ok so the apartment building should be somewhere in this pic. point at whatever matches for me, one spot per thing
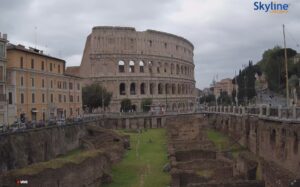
(3, 62)
(38, 87)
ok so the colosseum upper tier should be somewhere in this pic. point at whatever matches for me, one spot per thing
(138, 65)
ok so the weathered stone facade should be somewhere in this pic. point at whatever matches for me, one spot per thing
(137, 65)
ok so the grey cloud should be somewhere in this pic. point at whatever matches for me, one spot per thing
(227, 36)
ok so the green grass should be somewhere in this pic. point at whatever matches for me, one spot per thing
(142, 165)
(223, 142)
(205, 173)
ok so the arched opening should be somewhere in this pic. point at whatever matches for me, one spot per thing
(121, 65)
(151, 88)
(131, 66)
(172, 68)
(160, 88)
(166, 68)
(141, 66)
(177, 69)
(133, 108)
(132, 89)
(173, 89)
(158, 67)
(178, 89)
(150, 65)
(122, 89)
(167, 89)
(142, 88)
(174, 107)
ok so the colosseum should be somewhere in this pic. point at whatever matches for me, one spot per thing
(137, 65)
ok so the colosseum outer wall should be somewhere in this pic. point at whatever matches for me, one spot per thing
(137, 65)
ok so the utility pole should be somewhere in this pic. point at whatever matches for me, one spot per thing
(286, 69)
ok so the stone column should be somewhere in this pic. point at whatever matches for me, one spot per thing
(268, 111)
(260, 110)
(279, 112)
(294, 112)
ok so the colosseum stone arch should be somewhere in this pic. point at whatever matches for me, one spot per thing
(137, 65)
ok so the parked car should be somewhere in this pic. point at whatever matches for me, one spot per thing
(51, 122)
(14, 127)
(78, 119)
(61, 122)
(40, 123)
(3, 128)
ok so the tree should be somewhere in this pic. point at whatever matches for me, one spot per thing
(126, 105)
(208, 99)
(224, 98)
(94, 96)
(145, 104)
(274, 67)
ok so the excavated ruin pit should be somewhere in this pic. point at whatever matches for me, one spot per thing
(195, 161)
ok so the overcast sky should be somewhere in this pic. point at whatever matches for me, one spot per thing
(226, 34)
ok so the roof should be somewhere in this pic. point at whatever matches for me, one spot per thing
(73, 70)
(32, 51)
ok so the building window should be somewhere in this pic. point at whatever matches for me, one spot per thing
(151, 88)
(58, 68)
(51, 98)
(59, 98)
(70, 86)
(71, 98)
(141, 66)
(122, 89)
(21, 63)
(166, 45)
(142, 88)
(78, 86)
(33, 98)
(78, 98)
(10, 99)
(131, 66)
(22, 81)
(50, 66)
(160, 88)
(132, 89)
(22, 98)
(121, 65)
(32, 63)
(2, 51)
(150, 64)
(43, 66)
(150, 43)
(43, 83)
(1, 73)
(32, 82)
(43, 98)
(65, 98)
(51, 84)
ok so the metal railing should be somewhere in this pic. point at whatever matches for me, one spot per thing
(263, 111)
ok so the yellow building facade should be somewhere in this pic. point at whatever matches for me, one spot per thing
(38, 87)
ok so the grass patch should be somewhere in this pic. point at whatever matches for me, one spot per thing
(205, 173)
(143, 164)
(76, 156)
(224, 143)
